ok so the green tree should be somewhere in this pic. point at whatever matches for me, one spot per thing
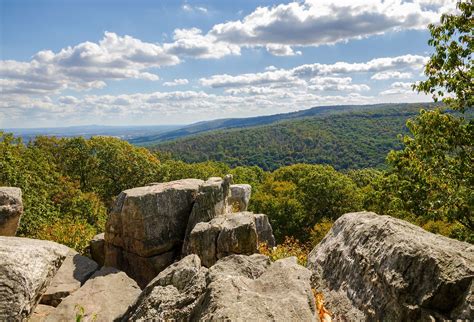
(434, 172)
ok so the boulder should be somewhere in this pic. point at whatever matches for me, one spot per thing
(97, 249)
(26, 269)
(106, 296)
(281, 293)
(151, 220)
(211, 202)
(74, 271)
(231, 234)
(264, 230)
(11, 209)
(147, 226)
(173, 294)
(237, 287)
(239, 197)
(372, 267)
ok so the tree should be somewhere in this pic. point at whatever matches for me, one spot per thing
(434, 171)
(450, 69)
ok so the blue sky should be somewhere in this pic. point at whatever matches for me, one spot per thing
(174, 62)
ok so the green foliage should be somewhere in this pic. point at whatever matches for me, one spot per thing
(290, 247)
(67, 184)
(299, 196)
(432, 178)
(349, 140)
(450, 70)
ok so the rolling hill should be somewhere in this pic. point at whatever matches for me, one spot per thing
(220, 124)
(346, 138)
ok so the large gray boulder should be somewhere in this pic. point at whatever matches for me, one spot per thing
(74, 271)
(146, 225)
(211, 202)
(372, 267)
(239, 197)
(237, 287)
(26, 269)
(11, 209)
(234, 233)
(173, 294)
(106, 296)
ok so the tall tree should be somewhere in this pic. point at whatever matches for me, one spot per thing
(435, 168)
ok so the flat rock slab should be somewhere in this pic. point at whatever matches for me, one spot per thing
(106, 296)
(74, 272)
(11, 209)
(26, 269)
(372, 267)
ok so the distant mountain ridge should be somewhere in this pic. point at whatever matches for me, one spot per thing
(230, 123)
(352, 137)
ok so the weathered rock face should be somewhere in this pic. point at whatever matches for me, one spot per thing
(211, 202)
(231, 234)
(11, 209)
(239, 197)
(146, 223)
(372, 267)
(97, 248)
(106, 295)
(26, 269)
(74, 271)
(237, 287)
(150, 227)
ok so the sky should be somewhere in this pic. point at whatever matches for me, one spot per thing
(144, 62)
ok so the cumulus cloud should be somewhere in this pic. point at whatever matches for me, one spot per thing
(390, 74)
(308, 71)
(84, 66)
(398, 88)
(281, 50)
(176, 82)
(192, 43)
(318, 22)
(336, 84)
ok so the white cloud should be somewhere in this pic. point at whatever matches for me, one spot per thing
(390, 74)
(318, 22)
(84, 66)
(281, 50)
(192, 43)
(188, 8)
(399, 88)
(176, 82)
(308, 71)
(336, 84)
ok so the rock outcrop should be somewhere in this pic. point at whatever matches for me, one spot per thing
(26, 269)
(74, 271)
(211, 202)
(106, 296)
(372, 267)
(150, 227)
(237, 287)
(146, 228)
(239, 197)
(11, 209)
(234, 233)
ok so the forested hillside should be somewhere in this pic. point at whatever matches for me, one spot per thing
(344, 140)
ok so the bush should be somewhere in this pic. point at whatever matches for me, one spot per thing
(290, 247)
